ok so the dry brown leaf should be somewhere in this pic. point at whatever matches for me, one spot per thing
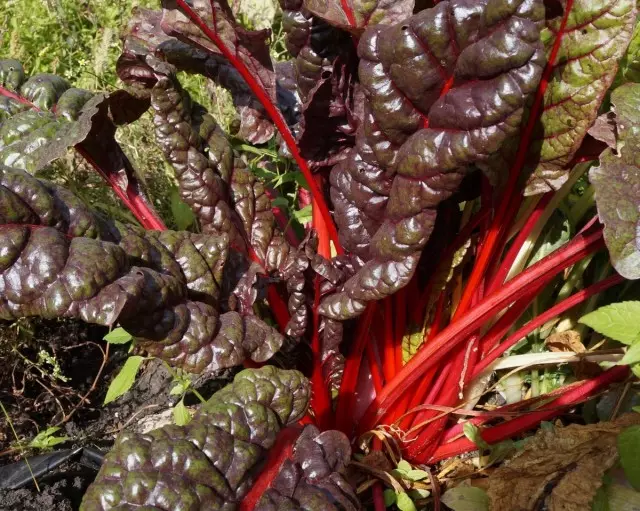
(569, 340)
(558, 470)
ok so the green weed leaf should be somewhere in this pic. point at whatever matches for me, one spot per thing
(632, 356)
(124, 380)
(182, 214)
(181, 415)
(629, 451)
(404, 466)
(118, 336)
(466, 498)
(618, 321)
(404, 502)
(472, 432)
(389, 497)
(46, 439)
(303, 215)
(417, 475)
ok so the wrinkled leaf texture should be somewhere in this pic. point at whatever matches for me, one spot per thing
(364, 12)
(250, 47)
(212, 462)
(225, 196)
(60, 260)
(617, 184)
(444, 89)
(144, 37)
(42, 116)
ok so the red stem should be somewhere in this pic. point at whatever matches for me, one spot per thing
(458, 331)
(389, 364)
(276, 456)
(274, 113)
(521, 238)
(516, 426)
(347, 394)
(540, 320)
(510, 200)
(374, 367)
(348, 12)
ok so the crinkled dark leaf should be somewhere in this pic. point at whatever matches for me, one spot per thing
(327, 125)
(444, 89)
(332, 360)
(145, 43)
(593, 39)
(42, 117)
(250, 47)
(365, 12)
(27, 200)
(211, 462)
(313, 477)
(617, 184)
(163, 287)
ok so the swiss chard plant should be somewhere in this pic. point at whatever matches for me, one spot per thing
(468, 163)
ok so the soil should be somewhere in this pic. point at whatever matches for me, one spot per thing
(61, 490)
(35, 399)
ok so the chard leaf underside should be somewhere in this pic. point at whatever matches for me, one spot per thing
(617, 184)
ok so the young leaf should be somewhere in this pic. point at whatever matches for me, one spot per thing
(404, 502)
(181, 416)
(417, 475)
(618, 321)
(466, 498)
(389, 497)
(47, 439)
(124, 379)
(404, 466)
(472, 432)
(629, 451)
(118, 336)
(632, 355)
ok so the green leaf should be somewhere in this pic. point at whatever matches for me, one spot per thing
(389, 497)
(629, 451)
(419, 493)
(181, 212)
(417, 475)
(280, 202)
(600, 501)
(118, 336)
(303, 215)
(404, 466)
(181, 415)
(124, 380)
(618, 321)
(632, 355)
(47, 439)
(404, 502)
(636, 409)
(472, 432)
(466, 498)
